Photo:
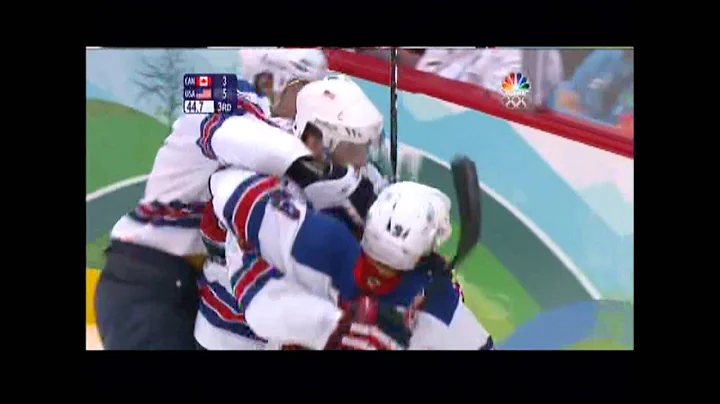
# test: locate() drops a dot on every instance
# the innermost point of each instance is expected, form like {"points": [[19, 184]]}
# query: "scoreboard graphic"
{"points": [[210, 93]]}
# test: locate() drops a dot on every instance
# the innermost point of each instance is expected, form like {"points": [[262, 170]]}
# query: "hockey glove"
{"points": [[368, 325], [457, 286], [328, 186]]}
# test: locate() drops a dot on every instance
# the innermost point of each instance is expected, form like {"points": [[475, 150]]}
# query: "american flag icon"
{"points": [[204, 94]]}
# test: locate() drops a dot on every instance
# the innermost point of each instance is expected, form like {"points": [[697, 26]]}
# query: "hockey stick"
{"points": [[467, 189], [393, 114]]}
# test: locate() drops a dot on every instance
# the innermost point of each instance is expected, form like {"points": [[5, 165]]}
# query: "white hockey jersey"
{"points": [[290, 267], [168, 216]]}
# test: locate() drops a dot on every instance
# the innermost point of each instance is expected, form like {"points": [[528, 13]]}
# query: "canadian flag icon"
{"points": [[204, 81]]}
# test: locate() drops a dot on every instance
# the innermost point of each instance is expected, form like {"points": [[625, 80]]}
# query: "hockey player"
{"points": [[302, 278], [279, 74], [147, 296], [282, 74], [350, 124], [339, 123]]}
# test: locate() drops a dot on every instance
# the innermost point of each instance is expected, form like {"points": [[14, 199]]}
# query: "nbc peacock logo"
{"points": [[515, 87]]}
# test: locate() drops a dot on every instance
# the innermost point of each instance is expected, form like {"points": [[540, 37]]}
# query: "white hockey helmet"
{"points": [[407, 221], [340, 109], [283, 64]]}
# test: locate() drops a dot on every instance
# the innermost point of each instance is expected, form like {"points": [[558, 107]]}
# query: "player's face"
{"points": [[315, 145], [264, 84], [353, 154]]}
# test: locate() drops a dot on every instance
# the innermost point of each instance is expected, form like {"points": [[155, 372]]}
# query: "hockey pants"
{"points": [[146, 300]]}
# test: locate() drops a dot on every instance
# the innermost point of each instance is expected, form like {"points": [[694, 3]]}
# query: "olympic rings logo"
{"points": [[514, 101]]}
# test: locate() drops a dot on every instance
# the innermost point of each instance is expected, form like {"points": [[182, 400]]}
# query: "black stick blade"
{"points": [[467, 189]]}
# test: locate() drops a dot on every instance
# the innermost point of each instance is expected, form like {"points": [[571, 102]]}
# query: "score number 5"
{"points": [[224, 90]]}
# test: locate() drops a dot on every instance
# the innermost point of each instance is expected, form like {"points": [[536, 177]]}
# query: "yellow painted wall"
{"points": [[91, 279], [92, 340]]}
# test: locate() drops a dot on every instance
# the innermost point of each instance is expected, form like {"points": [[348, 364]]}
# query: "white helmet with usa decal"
{"points": [[340, 109]]}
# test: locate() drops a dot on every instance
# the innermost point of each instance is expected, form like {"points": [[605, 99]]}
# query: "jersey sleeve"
{"points": [[250, 143], [445, 323], [284, 311]]}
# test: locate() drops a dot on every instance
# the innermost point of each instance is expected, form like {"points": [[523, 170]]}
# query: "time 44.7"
{"points": [[198, 107]]}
